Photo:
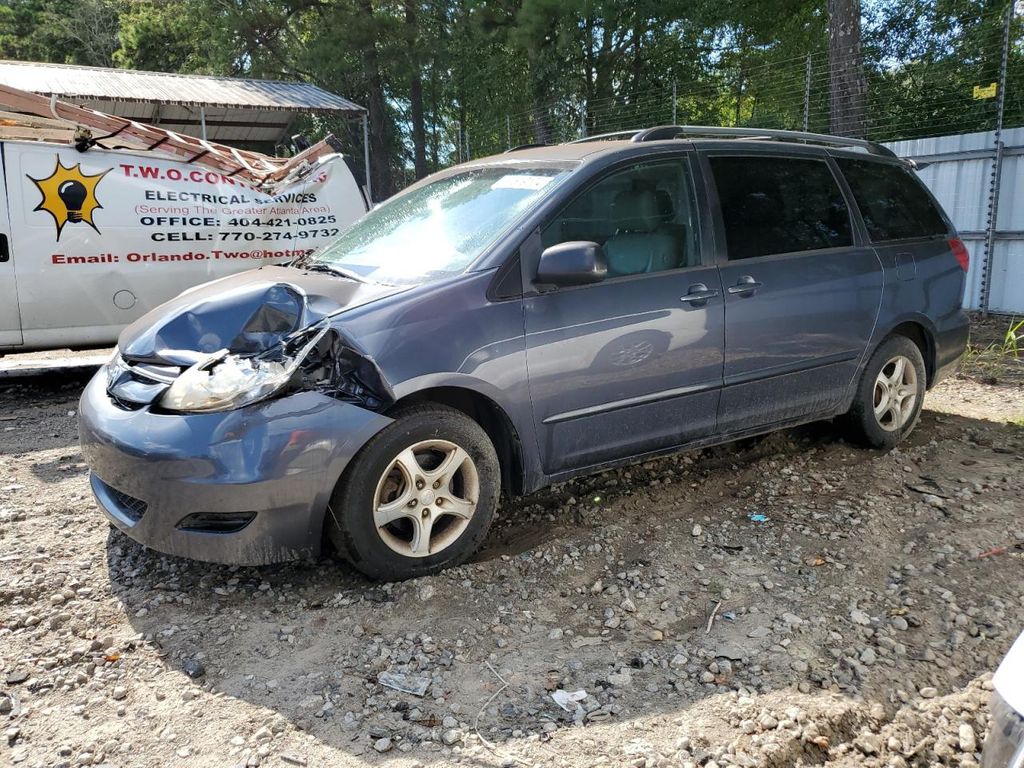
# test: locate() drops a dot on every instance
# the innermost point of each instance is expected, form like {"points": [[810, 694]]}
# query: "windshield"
{"points": [[438, 229]]}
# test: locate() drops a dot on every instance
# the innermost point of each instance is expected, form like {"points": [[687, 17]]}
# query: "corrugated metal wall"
{"points": [[959, 175]]}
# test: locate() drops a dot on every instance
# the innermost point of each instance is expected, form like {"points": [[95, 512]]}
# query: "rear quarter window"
{"points": [[892, 201]]}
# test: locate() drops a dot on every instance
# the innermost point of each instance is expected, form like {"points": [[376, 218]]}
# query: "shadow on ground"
{"points": [[608, 584]]}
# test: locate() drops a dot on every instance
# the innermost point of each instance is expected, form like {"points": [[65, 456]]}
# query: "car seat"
{"points": [[640, 244]]}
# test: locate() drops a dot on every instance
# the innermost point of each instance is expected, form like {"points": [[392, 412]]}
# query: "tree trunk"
{"points": [[588, 85], [847, 86], [376, 104], [419, 138], [542, 133], [604, 93]]}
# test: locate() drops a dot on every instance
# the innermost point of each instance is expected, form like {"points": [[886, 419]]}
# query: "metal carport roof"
{"points": [[232, 110]]}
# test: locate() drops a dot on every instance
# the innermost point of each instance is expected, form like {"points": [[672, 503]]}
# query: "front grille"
{"points": [[129, 506]]}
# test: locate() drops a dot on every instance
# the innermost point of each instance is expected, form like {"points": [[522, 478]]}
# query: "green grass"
{"points": [[994, 352]]}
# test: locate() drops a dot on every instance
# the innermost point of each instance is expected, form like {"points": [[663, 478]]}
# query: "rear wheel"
{"points": [[419, 497], [890, 394]]}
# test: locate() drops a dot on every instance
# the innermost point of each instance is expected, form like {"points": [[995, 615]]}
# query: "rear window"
{"points": [[779, 205], [892, 201]]}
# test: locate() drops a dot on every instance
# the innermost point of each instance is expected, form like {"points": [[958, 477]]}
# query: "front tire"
{"points": [[418, 497], [890, 394]]}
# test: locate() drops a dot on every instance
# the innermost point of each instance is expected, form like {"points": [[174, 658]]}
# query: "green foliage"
{"points": [[491, 73], [186, 36], [66, 31]]}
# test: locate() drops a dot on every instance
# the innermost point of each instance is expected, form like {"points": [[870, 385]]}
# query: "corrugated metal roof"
{"points": [[124, 85]]}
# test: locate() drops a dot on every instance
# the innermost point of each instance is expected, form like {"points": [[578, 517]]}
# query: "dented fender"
{"points": [[280, 459]]}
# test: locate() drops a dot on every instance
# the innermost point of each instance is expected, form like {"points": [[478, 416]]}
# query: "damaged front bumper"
{"points": [[247, 486]]}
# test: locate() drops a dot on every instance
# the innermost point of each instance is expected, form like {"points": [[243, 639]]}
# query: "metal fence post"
{"points": [[674, 104], [997, 172], [807, 94], [583, 119], [366, 156], [508, 131]]}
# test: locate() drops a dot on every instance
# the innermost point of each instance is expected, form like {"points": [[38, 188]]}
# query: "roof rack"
{"points": [[604, 136], [525, 146], [662, 132], [771, 134]]}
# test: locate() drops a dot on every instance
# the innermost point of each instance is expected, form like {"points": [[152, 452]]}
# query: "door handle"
{"points": [[745, 286], [698, 294], [5, 249]]}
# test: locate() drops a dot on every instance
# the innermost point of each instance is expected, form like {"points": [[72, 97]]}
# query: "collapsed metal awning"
{"points": [[29, 116], [228, 110]]}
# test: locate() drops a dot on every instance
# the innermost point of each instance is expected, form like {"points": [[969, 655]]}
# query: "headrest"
{"points": [[637, 210], [666, 208]]}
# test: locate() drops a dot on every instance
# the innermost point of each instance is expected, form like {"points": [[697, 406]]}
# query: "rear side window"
{"points": [[892, 201], [779, 205]]}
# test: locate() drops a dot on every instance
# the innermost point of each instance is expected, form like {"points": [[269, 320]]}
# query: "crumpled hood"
{"points": [[245, 313]]}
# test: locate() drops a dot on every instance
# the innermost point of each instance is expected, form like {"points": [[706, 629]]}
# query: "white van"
{"points": [[91, 240]]}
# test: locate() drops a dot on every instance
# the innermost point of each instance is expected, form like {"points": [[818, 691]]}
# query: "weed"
{"points": [[1014, 338]]}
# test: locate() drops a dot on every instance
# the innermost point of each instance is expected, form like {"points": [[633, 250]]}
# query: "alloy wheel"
{"points": [[426, 498], [895, 393]]}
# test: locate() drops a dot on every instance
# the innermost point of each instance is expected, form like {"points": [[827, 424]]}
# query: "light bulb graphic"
{"points": [[73, 193]]}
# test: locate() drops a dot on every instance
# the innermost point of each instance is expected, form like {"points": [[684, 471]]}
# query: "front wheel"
{"points": [[890, 394], [419, 497]]}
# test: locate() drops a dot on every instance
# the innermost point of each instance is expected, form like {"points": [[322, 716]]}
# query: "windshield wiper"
{"points": [[320, 266]]}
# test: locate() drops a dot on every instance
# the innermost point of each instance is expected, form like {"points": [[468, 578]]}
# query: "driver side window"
{"points": [[644, 217]]}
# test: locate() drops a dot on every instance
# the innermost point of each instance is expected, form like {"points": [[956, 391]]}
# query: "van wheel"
{"points": [[890, 394], [419, 497]]}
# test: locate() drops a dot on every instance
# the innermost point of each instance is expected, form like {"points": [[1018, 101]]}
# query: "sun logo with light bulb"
{"points": [[69, 195]]}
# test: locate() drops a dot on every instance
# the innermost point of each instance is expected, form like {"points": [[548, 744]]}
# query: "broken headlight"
{"points": [[224, 381]]}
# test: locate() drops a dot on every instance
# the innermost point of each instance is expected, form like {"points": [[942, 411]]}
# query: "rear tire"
{"points": [[889, 396], [417, 498]]}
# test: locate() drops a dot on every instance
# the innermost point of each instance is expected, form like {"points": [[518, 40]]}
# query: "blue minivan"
{"points": [[519, 320]]}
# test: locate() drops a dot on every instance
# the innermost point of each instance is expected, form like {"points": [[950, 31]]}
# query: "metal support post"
{"points": [[674, 104], [807, 94], [366, 157], [997, 172]]}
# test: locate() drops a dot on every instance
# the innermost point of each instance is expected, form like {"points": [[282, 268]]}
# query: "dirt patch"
{"points": [[852, 619]]}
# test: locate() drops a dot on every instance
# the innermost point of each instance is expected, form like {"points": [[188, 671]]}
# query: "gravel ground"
{"points": [[857, 622]]}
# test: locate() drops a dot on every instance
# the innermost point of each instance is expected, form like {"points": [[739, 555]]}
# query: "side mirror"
{"points": [[577, 262]]}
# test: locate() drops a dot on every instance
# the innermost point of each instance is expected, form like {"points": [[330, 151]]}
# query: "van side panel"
{"points": [[102, 237], [10, 317]]}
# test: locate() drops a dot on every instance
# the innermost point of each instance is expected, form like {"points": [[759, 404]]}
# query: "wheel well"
{"points": [[920, 335], [491, 417]]}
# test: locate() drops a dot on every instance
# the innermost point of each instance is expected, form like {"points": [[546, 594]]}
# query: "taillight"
{"points": [[963, 258]]}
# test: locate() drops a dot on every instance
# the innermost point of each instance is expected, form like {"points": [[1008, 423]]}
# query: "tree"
{"points": [[847, 85], [65, 31], [419, 134]]}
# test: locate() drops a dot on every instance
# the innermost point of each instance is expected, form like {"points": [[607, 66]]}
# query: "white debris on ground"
{"points": [[854, 624]]}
